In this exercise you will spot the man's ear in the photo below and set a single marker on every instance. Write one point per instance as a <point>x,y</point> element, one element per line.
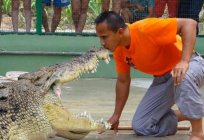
<point>120,30</point>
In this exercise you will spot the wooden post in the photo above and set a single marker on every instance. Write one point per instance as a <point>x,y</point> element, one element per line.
<point>39,17</point>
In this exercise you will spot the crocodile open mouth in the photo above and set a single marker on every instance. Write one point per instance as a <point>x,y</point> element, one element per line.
<point>30,100</point>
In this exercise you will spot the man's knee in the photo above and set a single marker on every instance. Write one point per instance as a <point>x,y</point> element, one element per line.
<point>151,129</point>
<point>147,128</point>
<point>138,129</point>
<point>167,125</point>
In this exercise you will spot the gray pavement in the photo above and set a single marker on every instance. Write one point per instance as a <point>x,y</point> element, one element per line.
<point>97,96</point>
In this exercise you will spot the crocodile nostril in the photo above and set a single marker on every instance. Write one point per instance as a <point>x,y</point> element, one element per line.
<point>2,98</point>
<point>2,126</point>
<point>3,110</point>
<point>13,118</point>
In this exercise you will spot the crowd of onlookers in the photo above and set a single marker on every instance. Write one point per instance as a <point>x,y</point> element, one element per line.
<point>130,10</point>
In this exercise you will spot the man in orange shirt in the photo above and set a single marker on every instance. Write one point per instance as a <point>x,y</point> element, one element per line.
<point>163,48</point>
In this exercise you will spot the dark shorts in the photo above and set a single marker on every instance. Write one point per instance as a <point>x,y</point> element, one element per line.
<point>58,3</point>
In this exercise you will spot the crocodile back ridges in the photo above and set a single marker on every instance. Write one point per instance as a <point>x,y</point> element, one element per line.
<point>20,110</point>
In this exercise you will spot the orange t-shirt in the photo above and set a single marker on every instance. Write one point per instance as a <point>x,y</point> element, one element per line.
<point>155,48</point>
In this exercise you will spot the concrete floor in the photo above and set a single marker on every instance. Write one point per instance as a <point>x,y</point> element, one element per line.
<point>97,97</point>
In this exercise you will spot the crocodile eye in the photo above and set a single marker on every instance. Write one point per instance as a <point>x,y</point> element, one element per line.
<point>2,98</point>
<point>4,94</point>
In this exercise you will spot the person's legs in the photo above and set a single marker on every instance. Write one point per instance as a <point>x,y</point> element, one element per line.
<point>15,12</point>
<point>76,4</point>
<point>173,7</point>
<point>189,99</point>
<point>126,15</point>
<point>27,11</point>
<point>83,15</point>
<point>159,7</point>
<point>154,116</point>
<point>44,19</point>
<point>57,7</point>
<point>1,3</point>
<point>197,129</point>
<point>56,18</point>
<point>116,6</point>
<point>197,133</point>
<point>105,5</point>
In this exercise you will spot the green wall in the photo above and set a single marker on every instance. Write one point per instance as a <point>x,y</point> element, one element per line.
<point>44,50</point>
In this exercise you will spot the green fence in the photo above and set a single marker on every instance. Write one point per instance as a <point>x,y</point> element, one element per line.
<point>66,24</point>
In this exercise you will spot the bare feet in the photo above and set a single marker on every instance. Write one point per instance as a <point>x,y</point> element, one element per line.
<point>197,136</point>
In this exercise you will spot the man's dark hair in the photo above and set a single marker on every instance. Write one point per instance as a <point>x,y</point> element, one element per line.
<point>113,20</point>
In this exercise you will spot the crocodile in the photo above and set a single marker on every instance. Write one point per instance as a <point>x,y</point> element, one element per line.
<point>31,109</point>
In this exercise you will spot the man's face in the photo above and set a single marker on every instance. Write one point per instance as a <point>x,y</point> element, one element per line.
<point>109,39</point>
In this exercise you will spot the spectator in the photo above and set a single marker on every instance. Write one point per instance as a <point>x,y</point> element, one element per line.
<point>161,4</point>
<point>105,5</point>
<point>79,14</point>
<point>134,10</point>
<point>116,5</point>
<point>57,7</point>
<point>190,9</point>
<point>1,3</point>
<point>27,12</point>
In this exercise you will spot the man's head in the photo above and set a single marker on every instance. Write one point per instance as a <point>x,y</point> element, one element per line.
<point>110,28</point>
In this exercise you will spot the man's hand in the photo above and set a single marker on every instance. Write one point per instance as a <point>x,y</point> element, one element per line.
<point>114,120</point>
<point>179,72</point>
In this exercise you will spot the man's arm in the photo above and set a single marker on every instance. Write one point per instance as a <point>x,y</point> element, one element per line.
<point>186,28</point>
<point>122,93</point>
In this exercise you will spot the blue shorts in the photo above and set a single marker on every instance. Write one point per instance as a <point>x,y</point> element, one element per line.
<point>58,3</point>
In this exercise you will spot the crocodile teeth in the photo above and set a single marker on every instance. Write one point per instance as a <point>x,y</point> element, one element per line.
<point>109,58</point>
<point>107,61</point>
<point>107,125</point>
<point>90,67</point>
